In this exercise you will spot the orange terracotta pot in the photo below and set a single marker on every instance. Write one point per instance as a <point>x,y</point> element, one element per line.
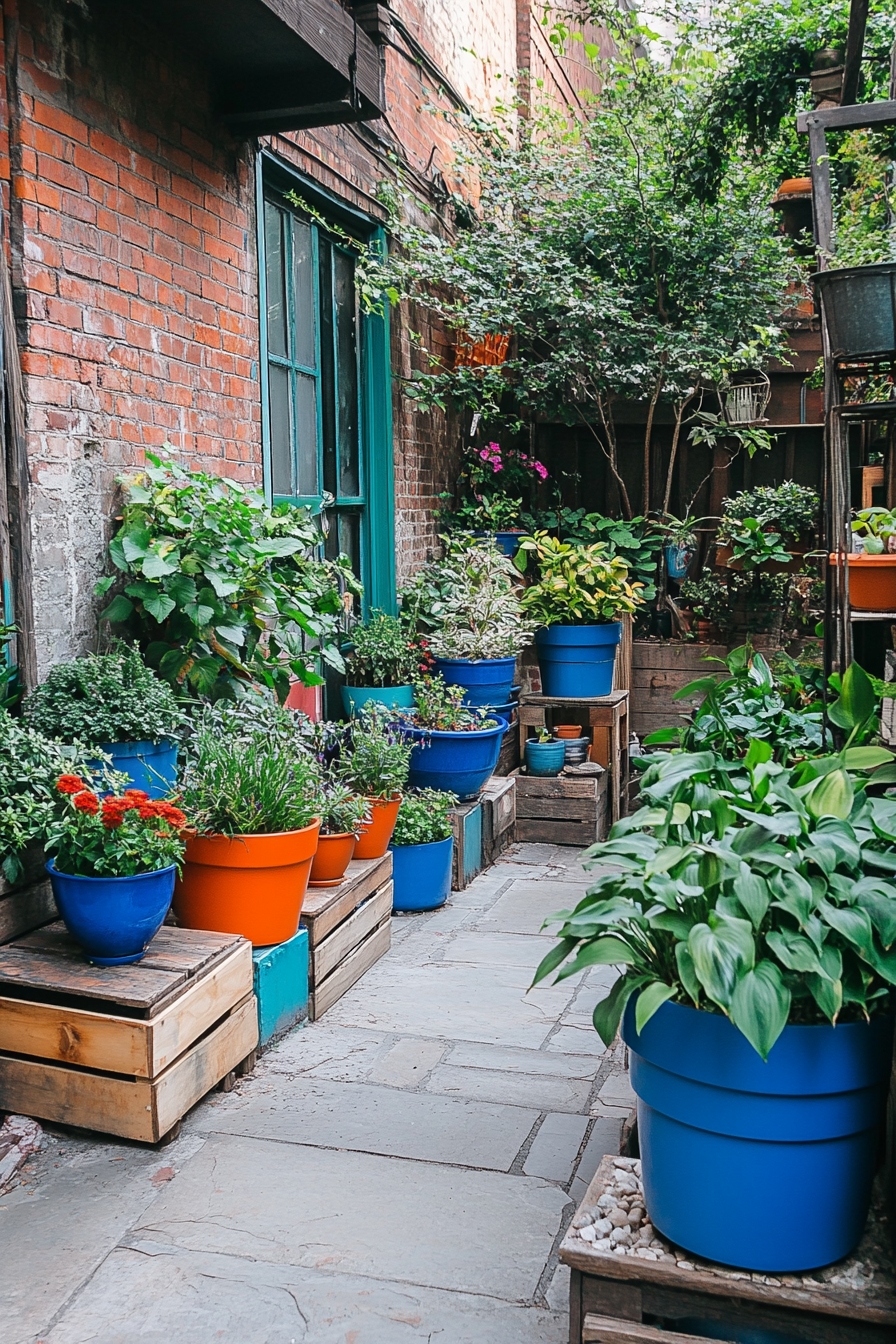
<point>376,833</point>
<point>872,581</point>
<point>248,884</point>
<point>565,731</point>
<point>334,854</point>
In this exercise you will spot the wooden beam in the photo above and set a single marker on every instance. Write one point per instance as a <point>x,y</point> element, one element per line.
<point>856,116</point>
<point>855,42</point>
<point>822,201</point>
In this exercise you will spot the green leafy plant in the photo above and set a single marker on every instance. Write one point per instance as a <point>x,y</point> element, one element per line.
<point>374,757</point>
<point>708,598</point>
<point>636,541</point>
<point>500,513</point>
<point>744,888</point>
<point>439,708</point>
<point>245,775</point>
<point>220,589</point>
<point>753,548</point>
<point>104,697</point>
<point>875,526</point>
<point>116,836</point>
<point>382,654</point>
<point>341,809</point>
<point>470,602</point>
<point>424,817</point>
<point>790,509</point>
<point>576,584</point>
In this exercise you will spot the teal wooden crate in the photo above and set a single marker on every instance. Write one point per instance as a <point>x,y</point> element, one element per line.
<point>281,986</point>
<point>468,859</point>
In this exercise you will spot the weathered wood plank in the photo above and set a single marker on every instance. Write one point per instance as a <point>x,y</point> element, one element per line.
<point>563,809</point>
<point>346,936</point>
<point>325,907</point>
<point>580,833</point>
<point>556,786</point>
<point>124,986</point>
<point>672,656</point>
<point>212,994</point>
<point>203,1066</point>
<point>605,1330</point>
<point>375,945</point>
<point>26,908</point>
<point>181,950</point>
<point>73,1036</point>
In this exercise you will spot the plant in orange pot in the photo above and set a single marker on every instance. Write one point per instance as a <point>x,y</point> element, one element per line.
<point>374,761</point>
<point>872,568</point>
<point>253,792</point>
<point>343,813</point>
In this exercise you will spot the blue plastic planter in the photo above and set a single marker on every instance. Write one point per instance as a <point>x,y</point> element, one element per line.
<point>455,762</point>
<point>151,766</point>
<point>762,1166</point>
<point>421,875</point>
<point>113,918</point>
<point>678,560</point>
<point>354,698</point>
<point>487,682</point>
<point>508,543</point>
<point>577,660</point>
<point>545,758</point>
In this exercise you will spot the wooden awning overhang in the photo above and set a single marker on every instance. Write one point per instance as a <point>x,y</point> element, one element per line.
<point>277,65</point>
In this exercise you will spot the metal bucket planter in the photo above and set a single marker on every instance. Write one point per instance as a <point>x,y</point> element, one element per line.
<point>859,305</point>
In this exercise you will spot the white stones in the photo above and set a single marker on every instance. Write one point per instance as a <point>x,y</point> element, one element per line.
<point>588,1234</point>
<point>603,1227</point>
<point>606,1202</point>
<point>618,1217</point>
<point>627,1184</point>
<point>583,1219</point>
<point>684,1264</point>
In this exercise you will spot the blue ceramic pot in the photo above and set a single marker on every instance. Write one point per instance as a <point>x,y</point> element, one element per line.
<point>421,875</point>
<point>545,758</point>
<point>507,542</point>
<point>577,660</point>
<point>764,1166</point>
<point>455,762</point>
<point>151,766</point>
<point>487,682</point>
<point>113,918</point>
<point>355,698</point>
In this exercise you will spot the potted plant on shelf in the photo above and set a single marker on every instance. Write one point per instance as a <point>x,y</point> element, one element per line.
<point>374,759</point>
<point>455,748</point>
<point>253,795</point>
<point>117,704</point>
<point>872,567</point>
<point>382,664</point>
<point>342,815</point>
<point>422,850</point>
<point>113,868</point>
<point>496,484</point>
<point>752,910</point>
<point>576,602</point>
<point>680,548</point>
<point>707,599</point>
<point>790,511</point>
<point>544,755</point>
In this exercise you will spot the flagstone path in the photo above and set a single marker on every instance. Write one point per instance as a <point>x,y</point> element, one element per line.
<point>401,1171</point>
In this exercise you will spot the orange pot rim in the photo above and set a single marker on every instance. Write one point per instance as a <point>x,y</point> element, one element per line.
<point>859,559</point>
<point>336,835</point>
<point>381,800</point>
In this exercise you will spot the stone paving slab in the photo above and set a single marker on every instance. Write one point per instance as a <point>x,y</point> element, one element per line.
<point>525,905</point>
<point>400,1221</point>
<point>556,1147</point>
<point>474,1055</point>
<point>605,1137</point>
<point>495,949</point>
<point>541,1091</point>
<point>160,1295</point>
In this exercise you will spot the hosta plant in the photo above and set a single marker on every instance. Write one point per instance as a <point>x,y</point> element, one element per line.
<point>576,584</point>
<point>746,888</point>
<point>424,817</point>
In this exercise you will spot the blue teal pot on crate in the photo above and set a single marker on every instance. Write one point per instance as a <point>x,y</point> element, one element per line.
<point>487,682</point>
<point>455,762</point>
<point>545,758</point>
<point>355,698</point>
<point>150,766</point>
<point>113,919</point>
<point>577,660</point>
<point>678,560</point>
<point>421,875</point>
<point>762,1166</point>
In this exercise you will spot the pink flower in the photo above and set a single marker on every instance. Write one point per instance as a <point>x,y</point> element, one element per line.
<point>541,469</point>
<point>483,453</point>
<point>496,464</point>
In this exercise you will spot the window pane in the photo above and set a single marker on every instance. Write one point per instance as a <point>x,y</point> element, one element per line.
<point>281,436</point>
<point>275,273</point>
<point>327,366</point>
<point>345,538</point>
<point>303,290</point>
<point>306,431</point>
<point>346,372</point>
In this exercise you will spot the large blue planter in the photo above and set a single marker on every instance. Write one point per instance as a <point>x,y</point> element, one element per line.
<point>151,766</point>
<point>577,660</point>
<point>545,758</point>
<point>455,762</point>
<point>421,875</point>
<point>354,698</point>
<point>113,918</point>
<point>487,682</point>
<point>764,1166</point>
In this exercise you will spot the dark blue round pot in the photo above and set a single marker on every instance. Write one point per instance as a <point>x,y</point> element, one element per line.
<point>545,758</point>
<point>487,682</point>
<point>455,762</point>
<point>764,1166</point>
<point>508,543</point>
<point>421,875</point>
<point>113,918</point>
<point>151,766</point>
<point>577,660</point>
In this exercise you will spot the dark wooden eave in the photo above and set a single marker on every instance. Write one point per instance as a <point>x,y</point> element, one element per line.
<point>277,65</point>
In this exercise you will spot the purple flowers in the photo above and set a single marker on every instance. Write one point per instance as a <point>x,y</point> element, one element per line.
<point>491,455</point>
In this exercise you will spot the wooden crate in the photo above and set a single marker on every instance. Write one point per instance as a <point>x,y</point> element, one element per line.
<point>625,1300</point>
<point>659,669</point>
<point>498,798</point>
<point>126,1050</point>
<point>564,810</point>
<point>349,929</point>
<point>604,717</point>
<point>466,858</point>
<point>29,903</point>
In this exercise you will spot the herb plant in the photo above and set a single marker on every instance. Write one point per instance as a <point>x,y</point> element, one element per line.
<point>439,708</point>
<point>471,604</point>
<point>220,589</point>
<point>341,809</point>
<point>576,584</point>
<point>104,697</point>
<point>707,597</point>
<point>424,817</point>
<point>753,548</point>
<point>876,526</point>
<point>789,509</point>
<point>374,756</point>
<point>382,654</point>
<point>116,836</point>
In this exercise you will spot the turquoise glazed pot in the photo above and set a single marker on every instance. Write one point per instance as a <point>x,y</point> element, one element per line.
<point>150,766</point>
<point>354,698</point>
<point>545,758</point>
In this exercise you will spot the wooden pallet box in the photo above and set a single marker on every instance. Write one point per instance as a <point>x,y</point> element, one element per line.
<point>349,929</point>
<point>498,800</point>
<point>28,903</point>
<point>659,669</point>
<point>564,810</point>
<point>125,1050</point>
<point>281,986</point>
<point>467,858</point>
<point>604,717</point>
<point>621,1299</point>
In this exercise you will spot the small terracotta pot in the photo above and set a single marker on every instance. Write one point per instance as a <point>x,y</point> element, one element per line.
<point>564,731</point>
<point>253,885</point>
<point>334,854</point>
<point>872,581</point>
<point>376,833</point>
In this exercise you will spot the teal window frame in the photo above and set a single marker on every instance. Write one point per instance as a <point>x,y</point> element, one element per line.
<point>375,502</point>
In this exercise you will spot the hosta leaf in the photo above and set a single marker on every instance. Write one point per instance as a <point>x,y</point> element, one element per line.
<point>721,950</point>
<point>608,1013</point>
<point>753,894</point>
<point>832,796</point>
<point>119,609</point>
<point>828,994</point>
<point>857,700</point>
<point>865,758</point>
<point>760,1005</point>
<point>650,999</point>
<point>794,951</point>
<point>686,972</point>
<point>851,922</point>
<point>553,959</point>
<point>606,951</point>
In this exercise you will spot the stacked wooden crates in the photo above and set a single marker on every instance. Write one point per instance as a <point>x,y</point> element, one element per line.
<point>349,929</point>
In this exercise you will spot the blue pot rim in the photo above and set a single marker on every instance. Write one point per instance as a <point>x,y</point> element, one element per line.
<point>459,735</point>
<point>133,877</point>
<point>136,745</point>
<point>577,625</point>
<point>548,746</point>
<point>397,686</point>
<point>477,662</point>
<point>427,844</point>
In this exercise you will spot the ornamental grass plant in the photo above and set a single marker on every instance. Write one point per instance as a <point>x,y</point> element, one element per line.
<point>342,811</point>
<point>104,698</point>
